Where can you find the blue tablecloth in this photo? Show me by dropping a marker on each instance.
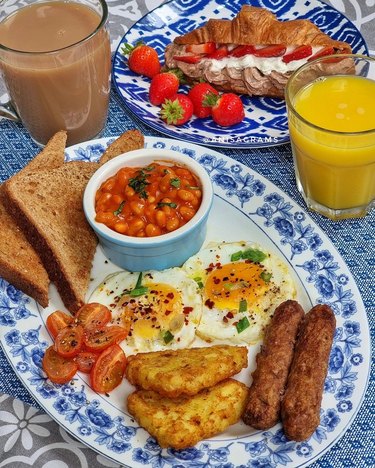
(354, 239)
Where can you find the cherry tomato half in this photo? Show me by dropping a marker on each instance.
(93, 315)
(85, 361)
(58, 369)
(101, 339)
(69, 341)
(57, 321)
(108, 371)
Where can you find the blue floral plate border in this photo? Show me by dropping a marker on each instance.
(253, 209)
(265, 122)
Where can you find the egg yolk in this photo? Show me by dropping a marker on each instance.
(156, 311)
(227, 285)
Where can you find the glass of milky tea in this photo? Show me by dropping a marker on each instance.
(55, 61)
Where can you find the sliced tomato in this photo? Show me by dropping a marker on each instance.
(188, 58)
(69, 341)
(85, 361)
(57, 321)
(219, 53)
(298, 53)
(93, 315)
(322, 53)
(101, 339)
(108, 371)
(243, 50)
(276, 50)
(59, 370)
(206, 48)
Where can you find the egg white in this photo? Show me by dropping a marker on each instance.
(228, 286)
(166, 316)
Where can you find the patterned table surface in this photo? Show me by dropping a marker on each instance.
(28, 437)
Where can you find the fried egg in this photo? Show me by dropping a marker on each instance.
(241, 285)
(161, 309)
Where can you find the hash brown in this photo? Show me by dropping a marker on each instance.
(175, 373)
(183, 422)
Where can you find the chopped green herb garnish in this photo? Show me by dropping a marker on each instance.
(175, 182)
(167, 337)
(251, 254)
(243, 306)
(242, 324)
(236, 256)
(266, 276)
(171, 204)
(139, 183)
(119, 209)
(198, 280)
(228, 286)
(139, 290)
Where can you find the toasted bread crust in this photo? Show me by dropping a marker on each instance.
(20, 264)
(47, 206)
(258, 26)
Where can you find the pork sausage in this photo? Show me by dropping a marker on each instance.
(273, 363)
(300, 409)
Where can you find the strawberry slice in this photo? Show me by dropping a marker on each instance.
(242, 50)
(271, 51)
(219, 53)
(188, 58)
(322, 53)
(298, 53)
(206, 48)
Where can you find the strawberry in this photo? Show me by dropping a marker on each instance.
(198, 94)
(206, 48)
(227, 109)
(177, 110)
(298, 53)
(219, 53)
(164, 86)
(242, 50)
(270, 51)
(143, 59)
(188, 58)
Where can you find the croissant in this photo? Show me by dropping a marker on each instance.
(254, 74)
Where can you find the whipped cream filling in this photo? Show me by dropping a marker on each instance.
(265, 64)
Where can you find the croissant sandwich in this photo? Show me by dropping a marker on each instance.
(252, 54)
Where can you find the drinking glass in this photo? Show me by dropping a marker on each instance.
(331, 117)
(57, 88)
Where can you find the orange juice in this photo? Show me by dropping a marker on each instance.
(334, 142)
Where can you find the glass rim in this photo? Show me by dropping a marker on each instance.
(299, 70)
(103, 20)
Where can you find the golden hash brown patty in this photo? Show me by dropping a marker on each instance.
(182, 422)
(185, 371)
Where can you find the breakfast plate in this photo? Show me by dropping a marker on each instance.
(265, 122)
(246, 207)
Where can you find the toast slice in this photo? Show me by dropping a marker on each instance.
(48, 206)
(20, 265)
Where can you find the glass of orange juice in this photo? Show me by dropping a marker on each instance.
(331, 116)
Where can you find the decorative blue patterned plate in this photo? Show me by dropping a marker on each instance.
(265, 122)
(246, 207)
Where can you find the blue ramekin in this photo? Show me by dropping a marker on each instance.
(150, 253)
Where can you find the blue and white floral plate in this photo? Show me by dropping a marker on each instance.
(265, 122)
(246, 207)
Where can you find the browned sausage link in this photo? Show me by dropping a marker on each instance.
(300, 409)
(273, 363)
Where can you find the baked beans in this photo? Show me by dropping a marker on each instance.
(148, 201)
